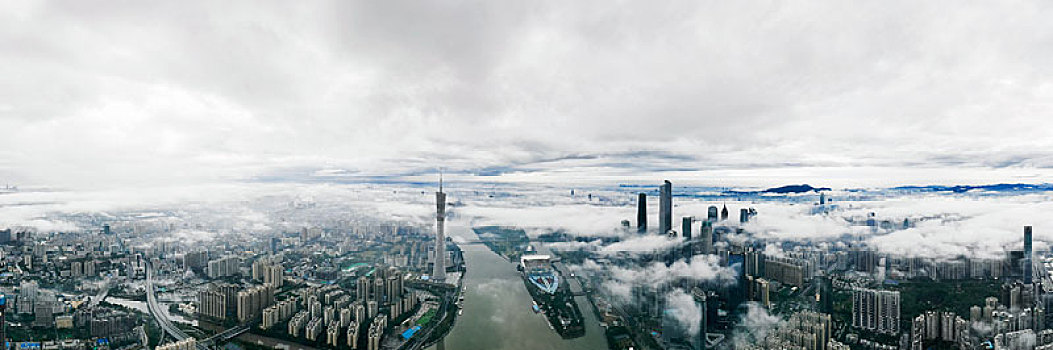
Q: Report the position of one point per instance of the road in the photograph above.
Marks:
(275, 343)
(159, 314)
(227, 334)
(447, 305)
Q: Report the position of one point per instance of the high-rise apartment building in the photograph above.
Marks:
(252, 301)
(876, 310)
(223, 267)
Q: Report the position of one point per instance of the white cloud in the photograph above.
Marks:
(109, 95)
(698, 268)
(681, 306)
(796, 222)
(977, 226)
(754, 325)
(574, 245)
(579, 219)
(642, 244)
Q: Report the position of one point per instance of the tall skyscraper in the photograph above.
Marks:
(439, 272)
(700, 300)
(665, 208)
(1027, 255)
(706, 235)
(641, 213)
(712, 217)
(824, 296)
(724, 213)
(685, 232)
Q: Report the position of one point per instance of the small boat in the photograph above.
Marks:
(460, 311)
(535, 307)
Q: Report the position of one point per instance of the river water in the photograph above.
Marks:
(497, 312)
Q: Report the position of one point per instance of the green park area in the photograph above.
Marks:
(506, 241)
(426, 318)
(916, 297)
(957, 296)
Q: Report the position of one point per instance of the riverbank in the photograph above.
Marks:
(497, 308)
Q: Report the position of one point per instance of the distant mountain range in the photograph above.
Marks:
(930, 188)
(788, 189)
(806, 188)
(967, 188)
(795, 189)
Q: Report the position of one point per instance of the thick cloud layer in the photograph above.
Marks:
(943, 226)
(107, 93)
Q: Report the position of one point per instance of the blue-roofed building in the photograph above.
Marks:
(410, 332)
(538, 271)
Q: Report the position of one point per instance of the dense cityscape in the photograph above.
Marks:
(118, 280)
(121, 284)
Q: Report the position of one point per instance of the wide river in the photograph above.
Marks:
(497, 311)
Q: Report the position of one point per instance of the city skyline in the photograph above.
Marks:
(878, 238)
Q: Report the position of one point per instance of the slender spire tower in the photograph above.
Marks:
(439, 273)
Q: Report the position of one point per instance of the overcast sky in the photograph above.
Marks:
(131, 92)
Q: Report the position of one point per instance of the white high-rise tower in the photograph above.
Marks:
(439, 272)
